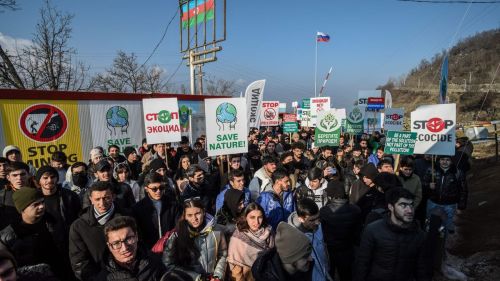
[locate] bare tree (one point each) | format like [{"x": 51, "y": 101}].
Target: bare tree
[
  {"x": 8, "y": 5},
  {"x": 126, "y": 75},
  {"x": 48, "y": 62},
  {"x": 220, "y": 87}
]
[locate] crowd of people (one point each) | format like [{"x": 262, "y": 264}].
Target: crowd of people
[{"x": 286, "y": 210}]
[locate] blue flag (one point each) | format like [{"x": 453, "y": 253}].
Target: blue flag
[{"x": 443, "y": 84}]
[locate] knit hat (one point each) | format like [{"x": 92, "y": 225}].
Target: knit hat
[
  {"x": 232, "y": 199},
  {"x": 291, "y": 243},
  {"x": 102, "y": 164},
  {"x": 45, "y": 169},
  {"x": 335, "y": 189},
  {"x": 9, "y": 148},
  {"x": 95, "y": 152},
  {"x": 25, "y": 196},
  {"x": 157, "y": 164},
  {"x": 369, "y": 171},
  {"x": 128, "y": 150}
]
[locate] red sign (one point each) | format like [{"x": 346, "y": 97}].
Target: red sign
[
  {"x": 43, "y": 122},
  {"x": 289, "y": 118},
  {"x": 269, "y": 114},
  {"x": 376, "y": 101}
]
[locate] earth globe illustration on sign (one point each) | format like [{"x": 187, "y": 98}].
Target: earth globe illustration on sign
[
  {"x": 226, "y": 113},
  {"x": 117, "y": 117}
]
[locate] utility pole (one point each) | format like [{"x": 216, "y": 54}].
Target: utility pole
[{"x": 470, "y": 77}]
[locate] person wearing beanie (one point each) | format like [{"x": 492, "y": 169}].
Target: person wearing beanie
[
  {"x": 96, "y": 155},
  {"x": 133, "y": 162},
  {"x": 234, "y": 202},
  {"x": 236, "y": 181},
  {"x": 359, "y": 187},
  {"x": 341, "y": 223},
  {"x": 306, "y": 219},
  {"x": 29, "y": 239},
  {"x": 289, "y": 260},
  {"x": 13, "y": 154}
]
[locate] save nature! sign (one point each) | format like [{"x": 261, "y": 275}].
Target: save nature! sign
[{"x": 226, "y": 122}]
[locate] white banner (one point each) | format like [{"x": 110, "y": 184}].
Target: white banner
[
  {"x": 318, "y": 105},
  {"x": 227, "y": 129},
  {"x": 117, "y": 123},
  {"x": 254, "y": 96},
  {"x": 393, "y": 120},
  {"x": 388, "y": 99},
  {"x": 269, "y": 114},
  {"x": 161, "y": 120},
  {"x": 305, "y": 118},
  {"x": 435, "y": 127}
]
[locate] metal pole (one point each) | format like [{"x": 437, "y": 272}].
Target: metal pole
[
  {"x": 191, "y": 70},
  {"x": 315, "y": 64},
  {"x": 496, "y": 143}
]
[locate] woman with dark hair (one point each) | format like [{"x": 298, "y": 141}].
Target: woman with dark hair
[
  {"x": 122, "y": 173},
  {"x": 197, "y": 247},
  {"x": 184, "y": 163},
  {"x": 252, "y": 236}
]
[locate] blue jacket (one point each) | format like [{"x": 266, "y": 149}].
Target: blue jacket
[
  {"x": 220, "y": 198},
  {"x": 373, "y": 159},
  {"x": 276, "y": 211}
]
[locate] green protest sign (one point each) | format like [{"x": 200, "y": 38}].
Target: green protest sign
[
  {"x": 327, "y": 132},
  {"x": 306, "y": 103},
  {"x": 400, "y": 142},
  {"x": 290, "y": 127},
  {"x": 354, "y": 120}
]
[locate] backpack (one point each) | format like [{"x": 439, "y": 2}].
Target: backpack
[{"x": 160, "y": 244}]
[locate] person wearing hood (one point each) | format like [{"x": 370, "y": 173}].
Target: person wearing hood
[
  {"x": 289, "y": 260},
  {"x": 341, "y": 223},
  {"x": 234, "y": 202},
  {"x": 307, "y": 220},
  {"x": 13, "y": 154},
  {"x": 133, "y": 162},
  {"x": 364, "y": 183},
  {"x": 373, "y": 205},
  {"x": 236, "y": 181},
  {"x": 314, "y": 188},
  {"x": 77, "y": 179},
  {"x": 252, "y": 236},
  {"x": 198, "y": 246}
]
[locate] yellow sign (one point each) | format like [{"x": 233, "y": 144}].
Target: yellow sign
[{"x": 42, "y": 127}]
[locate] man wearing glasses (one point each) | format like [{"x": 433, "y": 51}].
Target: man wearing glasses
[
  {"x": 157, "y": 212},
  {"x": 125, "y": 258},
  {"x": 86, "y": 242}
]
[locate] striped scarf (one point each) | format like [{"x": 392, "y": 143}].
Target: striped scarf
[{"x": 103, "y": 218}]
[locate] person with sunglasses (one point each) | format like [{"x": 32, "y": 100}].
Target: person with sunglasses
[
  {"x": 157, "y": 212},
  {"x": 198, "y": 246},
  {"x": 126, "y": 258}
]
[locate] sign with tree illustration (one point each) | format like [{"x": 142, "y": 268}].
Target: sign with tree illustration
[
  {"x": 327, "y": 132},
  {"x": 354, "y": 120}
]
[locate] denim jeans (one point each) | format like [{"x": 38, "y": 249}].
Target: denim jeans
[{"x": 448, "y": 209}]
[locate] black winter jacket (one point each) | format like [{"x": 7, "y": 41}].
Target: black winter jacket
[
  {"x": 268, "y": 267},
  {"x": 341, "y": 224},
  {"x": 148, "y": 220},
  {"x": 450, "y": 187},
  {"x": 389, "y": 252},
  {"x": 148, "y": 267},
  {"x": 124, "y": 196},
  {"x": 87, "y": 243}
]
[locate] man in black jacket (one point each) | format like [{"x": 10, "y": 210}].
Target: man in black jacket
[
  {"x": 392, "y": 248},
  {"x": 341, "y": 222},
  {"x": 157, "y": 212},
  {"x": 86, "y": 242},
  {"x": 125, "y": 258}
]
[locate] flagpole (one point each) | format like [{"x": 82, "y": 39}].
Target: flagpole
[{"x": 316, "y": 63}]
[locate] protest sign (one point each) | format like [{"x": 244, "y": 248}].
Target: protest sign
[
  {"x": 435, "y": 128},
  {"x": 355, "y": 120},
  {"x": 290, "y": 123},
  {"x": 393, "y": 119},
  {"x": 306, "y": 120},
  {"x": 254, "y": 96},
  {"x": 116, "y": 122},
  {"x": 375, "y": 103},
  {"x": 161, "y": 120},
  {"x": 400, "y": 142},
  {"x": 365, "y": 94},
  {"x": 227, "y": 120},
  {"x": 306, "y": 103},
  {"x": 318, "y": 105},
  {"x": 269, "y": 113},
  {"x": 327, "y": 132}
]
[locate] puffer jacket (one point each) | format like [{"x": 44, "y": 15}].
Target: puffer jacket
[
  {"x": 318, "y": 195},
  {"x": 276, "y": 208},
  {"x": 261, "y": 182},
  {"x": 319, "y": 254},
  {"x": 341, "y": 222},
  {"x": 149, "y": 268},
  {"x": 213, "y": 252},
  {"x": 450, "y": 187},
  {"x": 389, "y": 252},
  {"x": 268, "y": 267}
]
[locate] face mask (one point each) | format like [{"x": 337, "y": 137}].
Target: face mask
[{"x": 80, "y": 179}]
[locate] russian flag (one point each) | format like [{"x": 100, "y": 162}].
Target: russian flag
[{"x": 322, "y": 37}]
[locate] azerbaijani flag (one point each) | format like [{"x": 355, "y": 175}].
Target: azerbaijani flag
[
  {"x": 196, "y": 11},
  {"x": 322, "y": 37}
]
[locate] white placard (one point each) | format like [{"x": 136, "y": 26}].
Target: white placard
[
  {"x": 318, "y": 105},
  {"x": 161, "y": 120},
  {"x": 227, "y": 129},
  {"x": 269, "y": 114},
  {"x": 435, "y": 127},
  {"x": 393, "y": 119},
  {"x": 254, "y": 96}
]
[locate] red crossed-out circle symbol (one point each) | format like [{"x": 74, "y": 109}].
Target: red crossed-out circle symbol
[
  {"x": 43, "y": 122},
  {"x": 435, "y": 125},
  {"x": 269, "y": 114}
]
